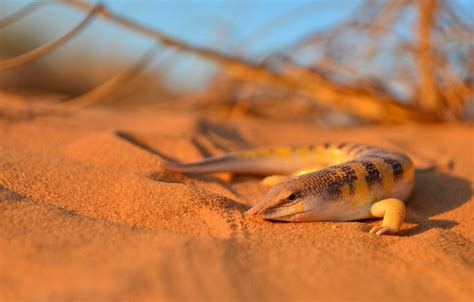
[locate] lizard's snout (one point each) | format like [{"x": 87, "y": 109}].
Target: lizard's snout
[
  {"x": 256, "y": 210},
  {"x": 283, "y": 202},
  {"x": 267, "y": 210}
]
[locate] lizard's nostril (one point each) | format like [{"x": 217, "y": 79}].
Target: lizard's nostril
[{"x": 252, "y": 211}]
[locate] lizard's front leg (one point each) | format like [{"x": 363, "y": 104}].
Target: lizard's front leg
[{"x": 393, "y": 212}]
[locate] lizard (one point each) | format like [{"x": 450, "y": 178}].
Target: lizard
[{"x": 325, "y": 182}]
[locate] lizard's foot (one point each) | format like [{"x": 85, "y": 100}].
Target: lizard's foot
[
  {"x": 381, "y": 230},
  {"x": 393, "y": 212}
]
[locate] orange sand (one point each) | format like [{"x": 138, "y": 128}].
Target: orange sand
[{"x": 86, "y": 213}]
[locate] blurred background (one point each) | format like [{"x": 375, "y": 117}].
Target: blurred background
[{"x": 335, "y": 63}]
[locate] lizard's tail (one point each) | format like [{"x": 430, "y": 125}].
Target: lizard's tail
[{"x": 208, "y": 165}]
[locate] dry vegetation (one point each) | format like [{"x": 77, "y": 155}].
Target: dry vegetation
[{"x": 391, "y": 62}]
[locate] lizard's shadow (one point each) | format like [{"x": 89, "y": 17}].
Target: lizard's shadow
[{"x": 435, "y": 192}]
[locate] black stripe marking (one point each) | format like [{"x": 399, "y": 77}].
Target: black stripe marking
[
  {"x": 330, "y": 182},
  {"x": 353, "y": 148},
  {"x": 350, "y": 178},
  {"x": 396, "y": 167},
  {"x": 341, "y": 145},
  {"x": 362, "y": 149},
  {"x": 372, "y": 173}
]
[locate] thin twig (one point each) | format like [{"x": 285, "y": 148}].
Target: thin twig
[
  {"x": 455, "y": 91},
  {"x": 387, "y": 16},
  {"x": 265, "y": 30},
  {"x": 22, "y": 12},
  {"x": 113, "y": 84},
  {"x": 48, "y": 47}
]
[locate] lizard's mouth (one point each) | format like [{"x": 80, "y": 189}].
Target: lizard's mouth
[{"x": 285, "y": 212}]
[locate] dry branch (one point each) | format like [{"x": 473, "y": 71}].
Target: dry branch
[
  {"x": 361, "y": 103},
  {"x": 428, "y": 91},
  {"x": 333, "y": 78}
]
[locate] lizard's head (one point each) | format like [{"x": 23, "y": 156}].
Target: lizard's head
[{"x": 287, "y": 201}]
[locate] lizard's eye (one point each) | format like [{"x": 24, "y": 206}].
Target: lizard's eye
[{"x": 292, "y": 197}]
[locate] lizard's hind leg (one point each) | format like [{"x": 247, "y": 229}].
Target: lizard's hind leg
[{"x": 393, "y": 212}]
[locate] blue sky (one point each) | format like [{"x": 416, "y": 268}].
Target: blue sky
[
  {"x": 216, "y": 24},
  {"x": 208, "y": 22}
]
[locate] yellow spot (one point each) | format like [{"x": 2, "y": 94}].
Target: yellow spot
[
  {"x": 273, "y": 180},
  {"x": 264, "y": 152},
  {"x": 337, "y": 156},
  {"x": 307, "y": 170},
  {"x": 303, "y": 151},
  {"x": 283, "y": 152},
  {"x": 299, "y": 207},
  {"x": 335, "y": 152},
  {"x": 362, "y": 192},
  {"x": 329, "y": 156},
  {"x": 319, "y": 153},
  {"x": 345, "y": 192},
  {"x": 250, "y": 154}
]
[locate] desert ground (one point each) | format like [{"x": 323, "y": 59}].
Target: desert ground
[{"x": 86, "y": 213}]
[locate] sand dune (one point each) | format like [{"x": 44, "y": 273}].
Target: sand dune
[{"x": 86, "y": 213}]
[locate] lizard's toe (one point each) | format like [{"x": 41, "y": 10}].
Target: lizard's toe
[{"x": 381, "y": 230}]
